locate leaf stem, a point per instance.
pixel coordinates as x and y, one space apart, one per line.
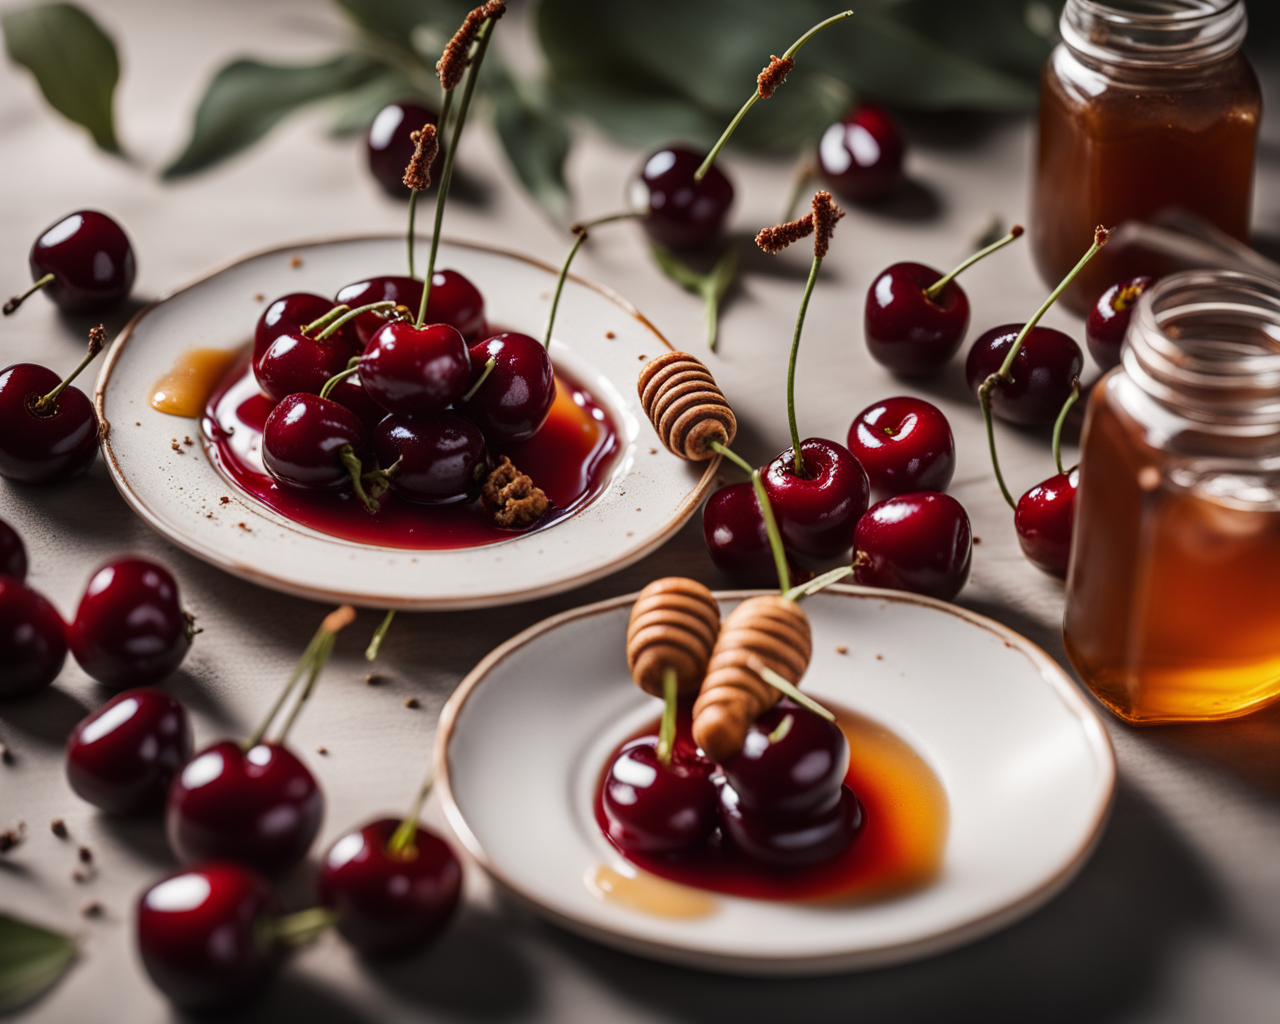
564 272
375 643
1062 417
934 289
791 368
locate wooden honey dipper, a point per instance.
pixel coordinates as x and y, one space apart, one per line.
686 406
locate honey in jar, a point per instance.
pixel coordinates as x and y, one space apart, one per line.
1173 593
1144 106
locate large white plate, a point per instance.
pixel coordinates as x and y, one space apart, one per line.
600 339
1027 767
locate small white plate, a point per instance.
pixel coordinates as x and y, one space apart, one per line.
600 339
1026 765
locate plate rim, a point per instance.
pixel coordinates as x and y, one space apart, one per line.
681 514
799 965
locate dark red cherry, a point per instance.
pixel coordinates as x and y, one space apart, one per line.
205 935
88 261
907 331
259 807
415 371
905 444
1044 372
43 447
920 542
13 553
297 363
861 156
514 400
350 394
791 841
657 808
389 904
1105 326
130 629
292 313
736 538
442 459
390 148
1044 518
683 213
817 512
454 301
789 767
33 644
122 757
302 442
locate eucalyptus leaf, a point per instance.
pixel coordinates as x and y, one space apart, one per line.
535 138
246 99
31 960
74 62
395 20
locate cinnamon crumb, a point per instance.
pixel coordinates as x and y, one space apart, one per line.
259 297
774 75
411 702
778 237
841 649
137 423
92 908
176 447
879 657
453 62
372 679
224 500
296 262
187 441
6 755
426 146
12 837
59 828
244 527
653 451
322 750
610 335
643 358
825 215
977 540
86 855
511 498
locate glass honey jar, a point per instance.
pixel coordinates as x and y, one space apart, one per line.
1145 105
1173 592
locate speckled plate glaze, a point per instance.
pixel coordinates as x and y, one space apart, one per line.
1026 765
600 339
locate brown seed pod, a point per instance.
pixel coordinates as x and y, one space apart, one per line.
685 406
769 630
674 624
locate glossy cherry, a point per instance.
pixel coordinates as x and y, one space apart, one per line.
682 213
921 542
736 538
658 808
293 312
1108 320
260 807
794 767
205 935
350 394
415 371
439 460
302 443
299 363
13 553
861 156
514 400
390 903
817 512
1044 518
906 330
122 757
791 841
43 446
905 444
1043 373
33 644
389 146
454 301
85 262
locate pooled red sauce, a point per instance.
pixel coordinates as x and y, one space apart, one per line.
570 458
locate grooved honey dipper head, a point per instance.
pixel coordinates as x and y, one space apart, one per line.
767 629
685 406
674 624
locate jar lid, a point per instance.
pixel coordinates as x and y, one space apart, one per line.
1154 33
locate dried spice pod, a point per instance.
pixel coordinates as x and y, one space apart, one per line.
686 406
769 631
674 625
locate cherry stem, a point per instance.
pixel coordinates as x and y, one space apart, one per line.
667 730
791 369
355 469
12 305
353 364
1062 418
766 512
564 272
351 314
312 661
328 634
489 364
783 729
609 218
328 318
934 289
299 928
97 338
984 399
413 212
818 583
791 52
779 683
375 643
401 842
446 176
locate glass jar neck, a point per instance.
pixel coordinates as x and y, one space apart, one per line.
1153 34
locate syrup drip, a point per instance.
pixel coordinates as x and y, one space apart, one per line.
185 389
640 890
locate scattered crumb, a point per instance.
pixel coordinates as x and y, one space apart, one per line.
12 837
511 498
176 447
295 262
637 510
653 451
81 875
841 649
642 358
631 533
879 657
372 679
259 297
137 423
977 540
187 441
610 335
59 828
411 702
244 527
545 295
322 750
86 855
224 500
209 515
92 908
6 755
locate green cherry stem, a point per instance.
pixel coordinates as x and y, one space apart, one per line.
779 683
328 318
791 368
766 511
791 52
1062 418
401 842
351 314
441 122
489 364
984 399
483 36
804 173
327 636
934 289
667 730
97 338
564 272
301 927
413 214
609 218
818 583
375 644
353 364
355 469
12 305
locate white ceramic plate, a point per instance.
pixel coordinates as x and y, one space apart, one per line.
1026 765
600 339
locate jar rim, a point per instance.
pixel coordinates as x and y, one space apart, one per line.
1154 33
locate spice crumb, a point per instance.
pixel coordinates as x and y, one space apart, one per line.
12 837
137 423
224 500
86 855
643 358
186 440
653 451
259 297
610 335
59 828
322 750
841 649
372 679
879 657
92 908
6 755
176 447
511 498
411 702
244 527
296 262
977 540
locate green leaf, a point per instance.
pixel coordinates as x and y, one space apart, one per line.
394 20
246 99
712 286
534 136
359 106
74 63
31 960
